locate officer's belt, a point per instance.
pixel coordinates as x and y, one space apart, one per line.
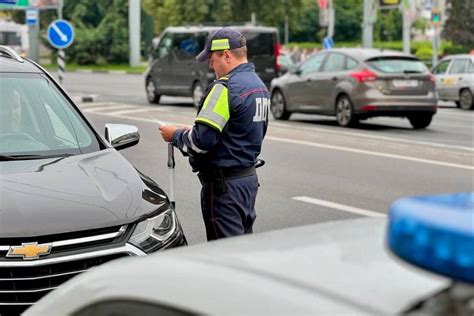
206 176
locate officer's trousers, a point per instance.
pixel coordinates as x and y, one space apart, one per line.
229 213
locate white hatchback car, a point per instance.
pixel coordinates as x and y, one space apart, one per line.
455 80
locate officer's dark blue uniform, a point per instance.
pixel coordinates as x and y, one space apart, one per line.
223 146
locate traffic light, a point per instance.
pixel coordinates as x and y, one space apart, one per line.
436 17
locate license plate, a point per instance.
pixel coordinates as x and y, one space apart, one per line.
405 83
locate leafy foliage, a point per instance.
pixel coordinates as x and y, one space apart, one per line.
459 27
101 31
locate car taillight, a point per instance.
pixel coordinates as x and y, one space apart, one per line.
364 75
368 107
277 50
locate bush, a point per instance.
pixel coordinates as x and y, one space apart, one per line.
424 53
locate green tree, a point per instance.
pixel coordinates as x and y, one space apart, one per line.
101 29
348 20
179 12
459 27
389 25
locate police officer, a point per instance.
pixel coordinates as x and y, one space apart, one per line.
226 138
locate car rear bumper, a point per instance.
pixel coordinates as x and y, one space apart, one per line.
396 105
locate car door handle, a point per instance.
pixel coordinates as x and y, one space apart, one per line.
308 80
460 78
335 79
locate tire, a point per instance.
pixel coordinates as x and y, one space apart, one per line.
420 120
151 95
197 94
466 101
345 115
278 106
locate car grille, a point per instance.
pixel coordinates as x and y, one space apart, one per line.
23 282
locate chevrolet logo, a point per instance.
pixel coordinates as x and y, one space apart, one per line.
29 251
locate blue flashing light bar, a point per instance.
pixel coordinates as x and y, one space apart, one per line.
435 233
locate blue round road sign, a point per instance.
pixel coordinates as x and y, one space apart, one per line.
60 34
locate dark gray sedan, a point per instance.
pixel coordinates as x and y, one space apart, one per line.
356 84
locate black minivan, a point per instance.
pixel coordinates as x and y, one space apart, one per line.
174 71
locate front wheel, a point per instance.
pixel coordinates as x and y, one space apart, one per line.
420 120
151 94
345 115
466 101
278 106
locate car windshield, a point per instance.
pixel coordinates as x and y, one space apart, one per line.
397 65
36 120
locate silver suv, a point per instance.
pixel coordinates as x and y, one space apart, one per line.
356 84
455 80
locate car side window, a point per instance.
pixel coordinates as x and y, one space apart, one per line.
130 307
312 65
459 66
441 68
185 46
351 63
335 62
471 67
164 46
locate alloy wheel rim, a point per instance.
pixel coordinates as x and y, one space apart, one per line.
466 100
277 104
197 94
344 111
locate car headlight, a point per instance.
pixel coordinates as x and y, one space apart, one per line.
154 233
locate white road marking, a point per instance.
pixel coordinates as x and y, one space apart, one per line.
368 152
406 141
313 144
110 107
129 111
95 104
337 206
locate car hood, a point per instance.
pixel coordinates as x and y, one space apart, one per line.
49 196
333 268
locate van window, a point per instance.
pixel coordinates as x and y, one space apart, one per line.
260 44
185 46
164 46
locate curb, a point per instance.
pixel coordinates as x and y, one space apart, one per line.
83 98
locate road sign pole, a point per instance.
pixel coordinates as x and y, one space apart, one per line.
61 65
33 36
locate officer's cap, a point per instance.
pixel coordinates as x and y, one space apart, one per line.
221 39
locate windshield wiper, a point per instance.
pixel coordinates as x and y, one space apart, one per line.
30 157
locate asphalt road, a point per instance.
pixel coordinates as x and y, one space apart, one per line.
315 171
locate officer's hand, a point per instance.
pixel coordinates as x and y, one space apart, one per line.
167 132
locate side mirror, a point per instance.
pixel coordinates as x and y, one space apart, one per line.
295 70
121 136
